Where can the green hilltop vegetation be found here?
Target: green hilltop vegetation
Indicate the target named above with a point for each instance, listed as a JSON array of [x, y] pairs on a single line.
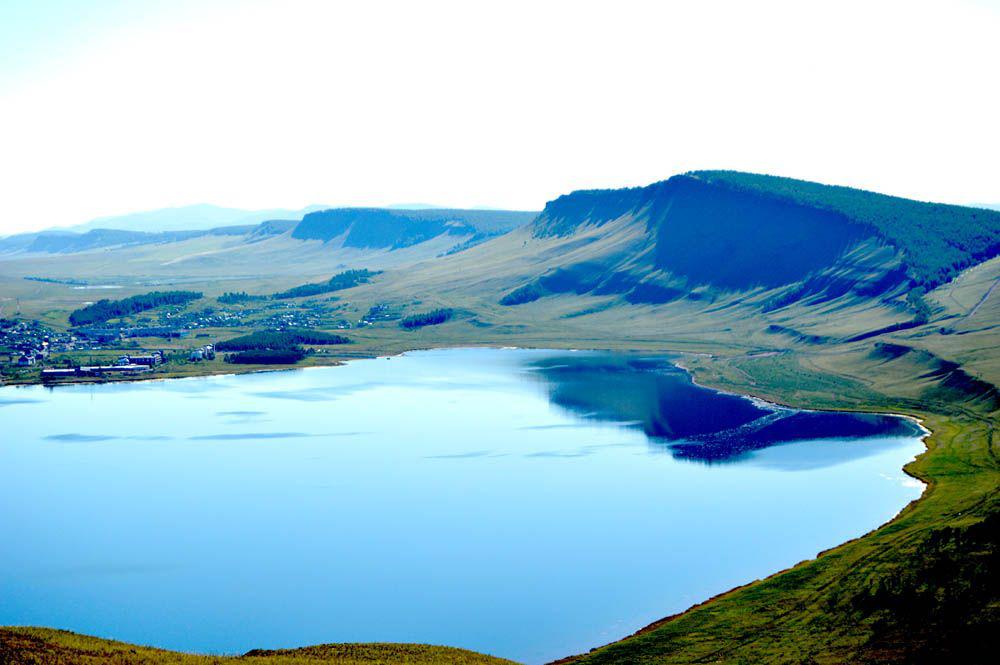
[[939, 240], [105, 310]]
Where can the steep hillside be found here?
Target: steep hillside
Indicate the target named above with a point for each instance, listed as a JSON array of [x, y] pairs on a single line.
[[383, 228], [711, 232], [938, 240]]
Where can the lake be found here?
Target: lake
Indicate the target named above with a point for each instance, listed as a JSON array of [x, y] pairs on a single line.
[[527, 504]]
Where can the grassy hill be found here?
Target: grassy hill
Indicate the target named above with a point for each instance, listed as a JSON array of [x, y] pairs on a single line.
[[739, 231], [24, 646]]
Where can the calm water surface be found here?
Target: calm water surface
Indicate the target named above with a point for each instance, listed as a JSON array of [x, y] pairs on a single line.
[[529, 504]]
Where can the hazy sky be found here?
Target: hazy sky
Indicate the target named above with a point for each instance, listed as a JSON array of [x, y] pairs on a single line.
[[111, 106]]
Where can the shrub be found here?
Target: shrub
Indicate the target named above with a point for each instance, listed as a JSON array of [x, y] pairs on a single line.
[[432, 318], [266, 357], [232, 298]]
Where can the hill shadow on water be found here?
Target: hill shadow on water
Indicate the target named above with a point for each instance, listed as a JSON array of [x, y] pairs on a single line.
[[698, 424]]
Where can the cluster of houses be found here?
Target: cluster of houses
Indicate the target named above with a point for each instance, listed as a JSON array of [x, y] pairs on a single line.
[[26, 343], [106, 335], [29, 344], [28, 359], [124, 366]]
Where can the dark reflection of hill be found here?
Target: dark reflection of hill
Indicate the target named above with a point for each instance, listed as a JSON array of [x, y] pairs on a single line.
[[693, 422]]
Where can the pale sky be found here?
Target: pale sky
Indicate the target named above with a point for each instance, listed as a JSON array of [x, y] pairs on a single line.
[[109, 107]]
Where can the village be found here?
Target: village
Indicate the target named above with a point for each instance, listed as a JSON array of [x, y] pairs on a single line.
[[31, 350], [25, 342], [30, 346], [126, 365]]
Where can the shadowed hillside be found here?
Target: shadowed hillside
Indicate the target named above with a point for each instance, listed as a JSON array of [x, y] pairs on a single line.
[[727, 231]]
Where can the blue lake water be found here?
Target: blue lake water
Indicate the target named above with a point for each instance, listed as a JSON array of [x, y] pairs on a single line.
[[528, 504]]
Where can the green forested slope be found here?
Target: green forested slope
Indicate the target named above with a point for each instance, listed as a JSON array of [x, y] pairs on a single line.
[[740, 230], [939, 240]]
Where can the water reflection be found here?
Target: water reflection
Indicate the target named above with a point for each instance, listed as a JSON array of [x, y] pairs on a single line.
[[439, 497], [696, 423]]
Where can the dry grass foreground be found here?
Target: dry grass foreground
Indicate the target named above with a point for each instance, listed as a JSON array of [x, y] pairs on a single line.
[[44, 646]]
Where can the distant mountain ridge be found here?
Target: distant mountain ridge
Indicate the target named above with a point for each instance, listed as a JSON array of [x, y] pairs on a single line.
[[191, 218], [67, 242], [362, 228], [704, 236], [385, 228]]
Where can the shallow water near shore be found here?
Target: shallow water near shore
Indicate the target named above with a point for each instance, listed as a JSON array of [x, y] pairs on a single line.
[[528, 504]]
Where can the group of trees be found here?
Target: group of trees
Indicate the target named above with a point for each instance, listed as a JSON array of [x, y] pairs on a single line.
[[344, 280], [288, 356], [431, 318], [269, 347], [285, 339], [105, 310], [235, 297]]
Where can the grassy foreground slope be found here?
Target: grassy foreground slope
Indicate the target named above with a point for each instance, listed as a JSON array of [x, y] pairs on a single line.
[[21, 646], [922, 589]]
